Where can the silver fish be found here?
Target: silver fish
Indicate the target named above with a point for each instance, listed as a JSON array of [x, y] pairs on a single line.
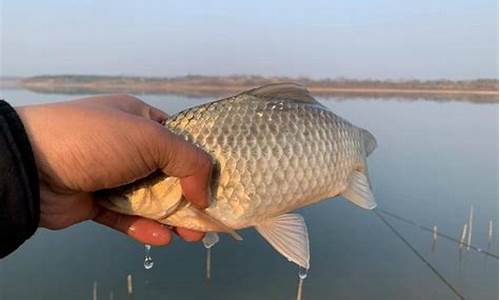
[[276, 149]]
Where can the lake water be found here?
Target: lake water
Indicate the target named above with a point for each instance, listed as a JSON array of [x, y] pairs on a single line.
[[434, 160]]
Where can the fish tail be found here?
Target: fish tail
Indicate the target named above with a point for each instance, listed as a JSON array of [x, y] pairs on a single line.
[[369, 141]]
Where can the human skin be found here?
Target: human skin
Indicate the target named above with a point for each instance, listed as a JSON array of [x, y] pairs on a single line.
[[102, 142]]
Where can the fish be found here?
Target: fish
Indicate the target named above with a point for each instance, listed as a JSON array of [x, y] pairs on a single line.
[[275, 149]]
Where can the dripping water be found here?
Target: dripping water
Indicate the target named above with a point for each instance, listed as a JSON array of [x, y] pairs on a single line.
[[210, 239], [148, 260], [209, 262], [303, 272]]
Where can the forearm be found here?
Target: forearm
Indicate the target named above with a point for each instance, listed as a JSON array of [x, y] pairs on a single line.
[[19, 188]]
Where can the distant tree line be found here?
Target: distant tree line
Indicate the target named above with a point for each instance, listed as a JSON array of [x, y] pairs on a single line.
[[254, 80]]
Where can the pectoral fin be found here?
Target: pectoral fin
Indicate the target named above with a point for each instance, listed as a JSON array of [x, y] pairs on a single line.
[[288, 235], [359, 191]]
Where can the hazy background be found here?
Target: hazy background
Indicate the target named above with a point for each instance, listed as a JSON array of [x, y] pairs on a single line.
[[357, 39]]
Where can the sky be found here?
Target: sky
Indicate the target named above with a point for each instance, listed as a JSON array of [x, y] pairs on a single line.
[[378, 39]]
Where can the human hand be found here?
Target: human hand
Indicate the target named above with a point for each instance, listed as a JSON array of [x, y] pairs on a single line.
[[103, 142]]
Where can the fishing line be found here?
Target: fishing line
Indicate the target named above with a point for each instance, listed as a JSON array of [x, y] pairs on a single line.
[[420, 256], [428, 229]]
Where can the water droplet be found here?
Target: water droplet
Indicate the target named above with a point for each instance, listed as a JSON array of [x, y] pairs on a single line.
[[303, 272], [148, 260], [302, 276], [210, 239], [208, 263]]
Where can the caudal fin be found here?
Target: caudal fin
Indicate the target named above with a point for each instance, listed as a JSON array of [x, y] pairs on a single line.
[[369, 141]]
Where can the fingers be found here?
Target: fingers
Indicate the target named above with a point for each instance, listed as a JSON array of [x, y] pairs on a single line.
[[193, 166], [155, 114], [143, 230], [196, 188], [128, 104], [189, 235], [173, 155]]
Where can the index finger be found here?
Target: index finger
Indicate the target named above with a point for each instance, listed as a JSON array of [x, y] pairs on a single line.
[[127, 103]]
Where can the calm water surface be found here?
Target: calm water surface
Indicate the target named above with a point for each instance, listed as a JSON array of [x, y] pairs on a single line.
[[434, 160]]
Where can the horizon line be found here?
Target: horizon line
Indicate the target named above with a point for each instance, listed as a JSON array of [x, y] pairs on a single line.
[[301, 77]]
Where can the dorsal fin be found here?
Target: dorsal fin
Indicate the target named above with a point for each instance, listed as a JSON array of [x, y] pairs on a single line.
[[283, 91]]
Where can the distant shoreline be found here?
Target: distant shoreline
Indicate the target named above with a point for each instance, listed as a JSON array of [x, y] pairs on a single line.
[[481, 90]]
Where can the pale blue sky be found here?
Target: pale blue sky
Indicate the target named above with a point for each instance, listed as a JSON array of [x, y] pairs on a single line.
[[357, 39]]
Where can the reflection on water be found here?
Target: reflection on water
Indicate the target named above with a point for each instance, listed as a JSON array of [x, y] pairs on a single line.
[[434, 161]]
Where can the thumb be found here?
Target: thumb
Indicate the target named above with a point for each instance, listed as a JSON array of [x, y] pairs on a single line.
[[179, 158]]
